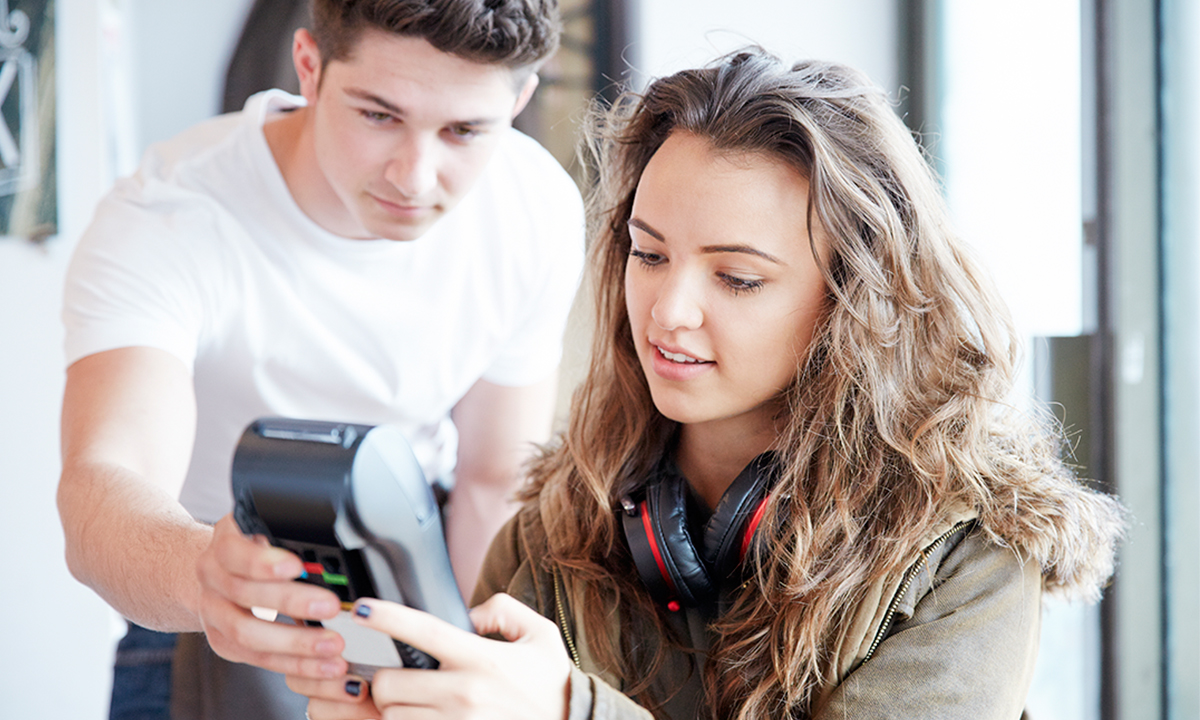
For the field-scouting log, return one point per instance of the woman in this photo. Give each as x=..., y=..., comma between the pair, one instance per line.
x=791, y=485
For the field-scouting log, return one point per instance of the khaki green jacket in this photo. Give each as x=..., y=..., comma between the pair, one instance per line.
x=953, y=636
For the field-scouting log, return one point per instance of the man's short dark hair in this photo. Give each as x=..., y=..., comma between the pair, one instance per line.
x=518, y=34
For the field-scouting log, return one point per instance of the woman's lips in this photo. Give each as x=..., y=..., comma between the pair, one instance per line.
x=674, y=364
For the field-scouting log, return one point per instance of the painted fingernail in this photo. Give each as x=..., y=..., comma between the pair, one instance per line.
x=362, y=610
x=354, y=687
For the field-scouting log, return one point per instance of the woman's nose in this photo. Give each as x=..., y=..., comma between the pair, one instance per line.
x=677, y=306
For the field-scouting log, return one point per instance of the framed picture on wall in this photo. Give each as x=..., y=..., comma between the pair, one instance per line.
x=28, y=192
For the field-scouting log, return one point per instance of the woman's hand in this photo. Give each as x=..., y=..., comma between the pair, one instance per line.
x=526, y=677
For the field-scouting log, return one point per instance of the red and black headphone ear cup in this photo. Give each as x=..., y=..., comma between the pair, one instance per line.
x=647, y=555
x=662, y=547
x=729, y=532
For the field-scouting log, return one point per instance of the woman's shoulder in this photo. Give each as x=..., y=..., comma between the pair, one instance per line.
x=964, y=620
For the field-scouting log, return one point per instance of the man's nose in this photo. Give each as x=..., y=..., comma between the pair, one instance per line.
x=413, y=167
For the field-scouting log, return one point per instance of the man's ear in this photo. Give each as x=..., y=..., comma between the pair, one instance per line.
x=307, y=60
x=526, y=93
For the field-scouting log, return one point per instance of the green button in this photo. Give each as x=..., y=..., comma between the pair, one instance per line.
x=335, y=579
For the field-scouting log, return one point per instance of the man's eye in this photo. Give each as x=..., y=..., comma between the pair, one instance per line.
x=375, y=116
x=463, y=131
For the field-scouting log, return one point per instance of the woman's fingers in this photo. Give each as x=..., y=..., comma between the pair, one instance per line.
x=450, y=645
x=319, y=709
x=526, y=677
x=504, y=615
x=349, y=689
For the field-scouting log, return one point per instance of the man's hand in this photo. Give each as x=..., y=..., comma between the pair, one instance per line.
x=237, y=573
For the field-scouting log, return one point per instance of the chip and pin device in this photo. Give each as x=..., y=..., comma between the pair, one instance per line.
x=353, y=503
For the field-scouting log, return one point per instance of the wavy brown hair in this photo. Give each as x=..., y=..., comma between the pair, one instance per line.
x=897, y=414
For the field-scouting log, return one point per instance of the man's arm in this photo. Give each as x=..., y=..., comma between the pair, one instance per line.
x=498, y=428
x=128, y=426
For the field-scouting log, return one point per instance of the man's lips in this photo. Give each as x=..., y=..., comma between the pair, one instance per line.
x=404, y=209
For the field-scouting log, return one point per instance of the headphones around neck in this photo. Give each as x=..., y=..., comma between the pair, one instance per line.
x=671, y=566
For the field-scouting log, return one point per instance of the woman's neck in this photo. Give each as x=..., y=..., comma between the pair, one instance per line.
x=711, y=457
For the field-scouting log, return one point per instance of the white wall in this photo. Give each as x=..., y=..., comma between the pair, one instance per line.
x=676, y=34
x=59, y=636
x=182, y=49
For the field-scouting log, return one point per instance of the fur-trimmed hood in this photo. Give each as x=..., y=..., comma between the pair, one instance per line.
x=1071, y=530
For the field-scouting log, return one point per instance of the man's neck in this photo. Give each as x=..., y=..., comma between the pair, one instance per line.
x=290, y=138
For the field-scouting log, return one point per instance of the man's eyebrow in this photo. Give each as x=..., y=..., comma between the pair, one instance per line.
x=708, y=249
x=400, y=112
x=373, y=98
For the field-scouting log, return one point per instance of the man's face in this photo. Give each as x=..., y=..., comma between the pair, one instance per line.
x=400, y=131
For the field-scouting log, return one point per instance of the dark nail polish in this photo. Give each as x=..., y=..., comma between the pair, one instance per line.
x=354, y=687
x=362, y=610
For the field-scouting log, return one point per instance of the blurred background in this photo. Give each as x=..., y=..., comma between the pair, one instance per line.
x=1067, y=133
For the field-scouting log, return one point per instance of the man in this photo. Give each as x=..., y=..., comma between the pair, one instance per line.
x=388, y=250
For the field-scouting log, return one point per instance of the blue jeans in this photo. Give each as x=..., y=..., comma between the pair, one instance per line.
x=142, y=675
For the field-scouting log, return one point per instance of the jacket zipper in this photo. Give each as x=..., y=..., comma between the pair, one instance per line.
x=894, y=605
x=561, y=611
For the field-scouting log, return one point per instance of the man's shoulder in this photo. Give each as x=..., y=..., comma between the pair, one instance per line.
x=525, y=193
x=524, y=161
x=225, y=146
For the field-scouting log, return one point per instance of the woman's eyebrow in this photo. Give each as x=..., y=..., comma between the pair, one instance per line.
x=708, y=249
x=634, y=222
x=745, y=249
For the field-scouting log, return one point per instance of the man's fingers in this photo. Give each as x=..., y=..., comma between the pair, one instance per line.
x=293, y=599
x=301, y=665
x=251, y=573
x=243, y=556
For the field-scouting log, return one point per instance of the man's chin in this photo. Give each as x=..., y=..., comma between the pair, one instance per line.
x=402, y=231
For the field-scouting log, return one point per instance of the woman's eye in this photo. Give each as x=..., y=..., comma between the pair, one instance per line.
x=645, y=258
x=739, y=285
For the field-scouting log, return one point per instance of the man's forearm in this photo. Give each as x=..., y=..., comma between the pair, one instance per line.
x=133, y=544
x=474, y=514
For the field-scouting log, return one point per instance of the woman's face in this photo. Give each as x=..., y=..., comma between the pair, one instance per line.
x=721, y=285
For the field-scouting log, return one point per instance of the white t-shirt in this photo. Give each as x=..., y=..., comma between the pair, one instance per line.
x=203, y=253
